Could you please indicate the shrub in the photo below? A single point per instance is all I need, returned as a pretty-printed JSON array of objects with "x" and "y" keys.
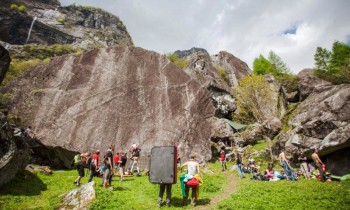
[
  {"x": 14, "y": 7},
  {"x": 60, "y": 19},
  {"x": 222, "y": 73},
  {"x": 22, "y": 8},
  {"x": 180, "y": 63}
]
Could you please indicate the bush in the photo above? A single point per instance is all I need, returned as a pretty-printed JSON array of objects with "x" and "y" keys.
[
  {"x": 14, "y": 7},
  {"x": 222, "y": 73},
  {"x": 22, "y": 8},
  {"x": 60, "y": 19},
  {"x": 180, "y": 63}
]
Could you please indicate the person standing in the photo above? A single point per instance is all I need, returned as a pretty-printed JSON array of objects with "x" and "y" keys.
[
  {"x": 109, "y": 157},
  {"x": 223, "y": 161},
  {"x": 80, "y": 168},
  {"x": 303, "y": 164},
  {"x": 192, "y": 169},
  {"x": 239, "y": 165},
  {"x": 122, "y": 164},
  {"x": 135, "y": 158},
  {"x": 94, "y": 165},
  {"x": 162, "y": 188},
  {"x": 286, "y": 166},
  {"x": 318, "y": 162},
  {"x": 116, "y": 161}
]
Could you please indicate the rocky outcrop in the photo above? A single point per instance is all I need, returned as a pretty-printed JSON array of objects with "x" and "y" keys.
[
  {"x": 83, "y": 26},
  {"x": 219, "y": 74},
  {"x": 321, "y": 121},
  {"x": 79, "y": 198},
  {"x": 14, "y": 152},
  {"x": 249, "y": 136},
  {"x": 4, "y": 62},
  {"x": 186, "y": 54},
  {"x": 235, "y": 68},
  {"x": 114, "y": 96},
  {"x": 221, "y": 130},
  {"x": 309, "y": 83}
]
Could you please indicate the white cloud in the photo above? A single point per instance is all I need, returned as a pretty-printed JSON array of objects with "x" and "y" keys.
[{"x": 245, "y": 28}]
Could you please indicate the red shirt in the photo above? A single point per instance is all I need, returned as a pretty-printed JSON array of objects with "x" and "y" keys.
[
  {"x": 222, "y": 157},
  {"x": 96, "y": 158},
  {"x": 116, "y": 159}
]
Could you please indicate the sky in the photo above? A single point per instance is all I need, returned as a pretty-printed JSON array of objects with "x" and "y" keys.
[{"x": 244, "y": 28}]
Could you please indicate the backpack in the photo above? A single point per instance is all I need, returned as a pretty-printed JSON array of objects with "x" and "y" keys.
[{"x": 77, "y": 160}]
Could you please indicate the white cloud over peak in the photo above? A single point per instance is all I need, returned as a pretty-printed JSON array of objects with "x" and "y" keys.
[{"x": 245, "y": 28}]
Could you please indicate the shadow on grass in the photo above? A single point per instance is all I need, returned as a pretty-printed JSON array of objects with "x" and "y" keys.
[
  {"x": 177, "y": 202},
  {"x": 30, "y": 185}
]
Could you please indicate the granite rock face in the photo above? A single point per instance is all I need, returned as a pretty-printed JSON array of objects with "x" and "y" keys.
[
  {"x": 14, "y": 152},
  {"x": 321, "y": 121},
  {"x": 114, "y": 96},
  {"x": 4, "y": 62},
  {"x": 54, "y": 24},
  {"x": 309, "y": 83}
]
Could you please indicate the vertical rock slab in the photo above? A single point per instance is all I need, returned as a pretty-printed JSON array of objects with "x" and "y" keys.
[
  {"x": 114, "y": 96},
  {"x": 4, "y": 62}
]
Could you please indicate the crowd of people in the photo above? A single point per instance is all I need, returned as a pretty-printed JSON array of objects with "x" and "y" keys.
[
  {"x": 111, "y": 165},
  {"x": 308, "y": 170}
]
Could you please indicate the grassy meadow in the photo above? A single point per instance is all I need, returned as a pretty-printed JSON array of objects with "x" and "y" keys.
[{"x": 42, "y": 192}]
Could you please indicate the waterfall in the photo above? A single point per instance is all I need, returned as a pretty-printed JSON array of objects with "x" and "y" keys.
[
  {"x": 31, "y": 27},
  {"x": 56, "y": 8}
]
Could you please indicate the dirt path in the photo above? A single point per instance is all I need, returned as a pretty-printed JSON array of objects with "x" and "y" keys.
[{"x": 228, "y": 190}]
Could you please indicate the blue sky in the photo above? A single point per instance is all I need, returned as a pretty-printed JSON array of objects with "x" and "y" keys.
[{"x": 245, "y": 28}]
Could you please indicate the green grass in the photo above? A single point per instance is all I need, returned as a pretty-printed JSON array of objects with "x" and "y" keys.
[
  {"x": 302, "y": 194},
  {"x": 36, "y": 191},
  {"x": 42, "y": 192}
]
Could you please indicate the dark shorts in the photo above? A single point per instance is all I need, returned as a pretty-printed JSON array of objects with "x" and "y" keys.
[{"x": 80, "y": 169}]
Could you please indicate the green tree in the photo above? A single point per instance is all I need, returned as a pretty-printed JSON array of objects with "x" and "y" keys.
[
  {"x": 261, "y": 65},
  {"x": 279, "y": 67},
  {"x": 333, "y": 66},
  {"x": 254, "y": 99},
  {"x": 276, "y": 67}
]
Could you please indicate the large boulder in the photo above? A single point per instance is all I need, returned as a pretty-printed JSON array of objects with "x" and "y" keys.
[
  {"x": 221, "y": 130},
  {"x": 309, "y": 83},
  {"x": 4, "y": 62},
  {"x": 114, "y": 96},
  {"x": 321, "y": 121},
  {"x": 14, "y": 152}
]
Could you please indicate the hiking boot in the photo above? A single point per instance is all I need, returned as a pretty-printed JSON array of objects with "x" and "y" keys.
[{"x": 168, "y": 204}]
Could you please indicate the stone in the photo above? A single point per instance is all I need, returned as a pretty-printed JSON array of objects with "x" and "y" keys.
[
  {"x": 320, "y": 121},
  {"x": 309, "y": 83},
  {"x": 14, "y": 152},
  {"x": 5, "y": 61},
  {"x": 113, "y": 96},
  {"x": 221, "y": 130},
  {"x": 79, "y": 198},
  {"x": 56, "y": 24}
]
